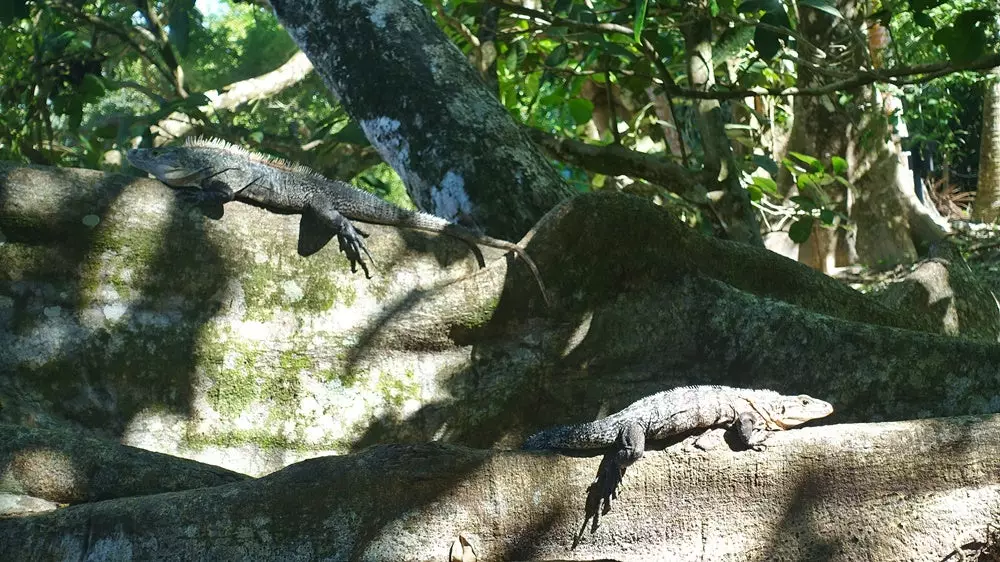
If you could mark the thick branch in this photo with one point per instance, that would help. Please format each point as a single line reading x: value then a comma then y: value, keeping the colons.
x: 267, y: 85
x: 892, y: 491
x: 68, y: 467
x: 617, y: 160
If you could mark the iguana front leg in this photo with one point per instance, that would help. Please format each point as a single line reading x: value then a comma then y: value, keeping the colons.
x: 751, y: 430
x: 349, y: 237
x: 628, y: 448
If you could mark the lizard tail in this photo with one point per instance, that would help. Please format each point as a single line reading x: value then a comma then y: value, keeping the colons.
x: 595, y: 435
x: 511, y: 247
x: 519, y: 252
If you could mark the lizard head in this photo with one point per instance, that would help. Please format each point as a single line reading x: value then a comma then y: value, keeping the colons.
x: 790, y: 411
x: 175, y: 166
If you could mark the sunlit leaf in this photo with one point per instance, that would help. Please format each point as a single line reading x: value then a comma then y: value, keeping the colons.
x: 813, y: 163
x: 640, y: 18
x: 839, y: 165
x: 766, y: 184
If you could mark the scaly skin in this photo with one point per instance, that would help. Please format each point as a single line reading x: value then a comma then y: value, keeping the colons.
x: 754, y: 414
x: 220, y: 172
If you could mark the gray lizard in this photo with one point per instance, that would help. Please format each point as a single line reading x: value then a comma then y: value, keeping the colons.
x: 220, y: 172
x: 753, y: 414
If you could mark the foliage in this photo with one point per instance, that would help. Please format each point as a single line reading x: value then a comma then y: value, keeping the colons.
x: 947, y: 113
x: 80, y: 79
x: 99, y: 76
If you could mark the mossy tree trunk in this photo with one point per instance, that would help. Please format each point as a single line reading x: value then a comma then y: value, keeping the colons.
x: 427, y: 111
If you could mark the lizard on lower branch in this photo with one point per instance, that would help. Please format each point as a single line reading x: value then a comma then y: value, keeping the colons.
x: 221, y: 172
x: 753, y: 414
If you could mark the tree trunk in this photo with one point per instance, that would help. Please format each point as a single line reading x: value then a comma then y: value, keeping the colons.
x: 427, y: 111
x: 987, y: 204
x: 857, y: 132
x: 215, y: 341
x: 733, y: 208
x: 893, y: 491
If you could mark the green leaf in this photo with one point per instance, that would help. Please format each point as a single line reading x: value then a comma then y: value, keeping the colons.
x: 839, y: 165
x: 257, y: 137
x: 806, y: 203
x: 351, y: 134
x: 827, y: 216
x: 825, y: 6
x: 558, y: 55
x: 758, y: 5
x: 581, y: 109
x: 801, y: 229
x: 766, y: 41
x: 963, y: 44
x: 561, y: 6
x: 640, y: 19
x: 813, y: 163
x: 766, y: 184
x: 923, y: 20
x: 923, y: 5
x: 754, y: 192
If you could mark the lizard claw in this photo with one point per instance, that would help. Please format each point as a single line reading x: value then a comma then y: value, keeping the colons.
x: 351, y: 241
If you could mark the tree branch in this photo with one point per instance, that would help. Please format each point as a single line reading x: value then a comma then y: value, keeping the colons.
x: 928, y: 71
x: 810, y: 491
x: 615, y: 160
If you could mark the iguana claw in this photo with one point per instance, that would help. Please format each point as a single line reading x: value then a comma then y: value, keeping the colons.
x: 351, y: 241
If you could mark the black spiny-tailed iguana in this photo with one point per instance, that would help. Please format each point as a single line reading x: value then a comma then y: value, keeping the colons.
x: 221, y: 172
x: 752, y: 413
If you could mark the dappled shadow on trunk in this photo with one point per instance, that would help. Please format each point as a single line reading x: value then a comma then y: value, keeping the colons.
x: 92, y: 340
x: 672, y: 310
x: 910, y: 490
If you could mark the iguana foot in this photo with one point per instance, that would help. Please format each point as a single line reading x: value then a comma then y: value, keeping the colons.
x: 195, y: 196
x: 351, y: 240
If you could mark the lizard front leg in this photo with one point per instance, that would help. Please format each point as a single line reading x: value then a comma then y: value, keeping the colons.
x: 349, y: 237
x: 628, y: 448
x: 750, y: 429
x: 210, y: 197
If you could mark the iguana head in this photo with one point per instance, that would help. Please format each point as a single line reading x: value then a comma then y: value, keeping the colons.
x: 175, y: 166
x: 783, y: 412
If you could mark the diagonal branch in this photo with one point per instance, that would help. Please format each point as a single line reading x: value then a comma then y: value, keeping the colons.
x: 614, y: 160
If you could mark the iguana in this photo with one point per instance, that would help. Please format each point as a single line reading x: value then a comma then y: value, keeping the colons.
x: 753, y: 414
x: 221, y: 172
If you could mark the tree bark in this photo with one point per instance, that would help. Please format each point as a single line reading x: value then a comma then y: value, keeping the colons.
x: 213, y: 340
x: 987, y: 204
x: 427, y: 112
x: 894, y: 491
x: 733, y: 208
x: 67, y: 467
x: 859, y: 134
